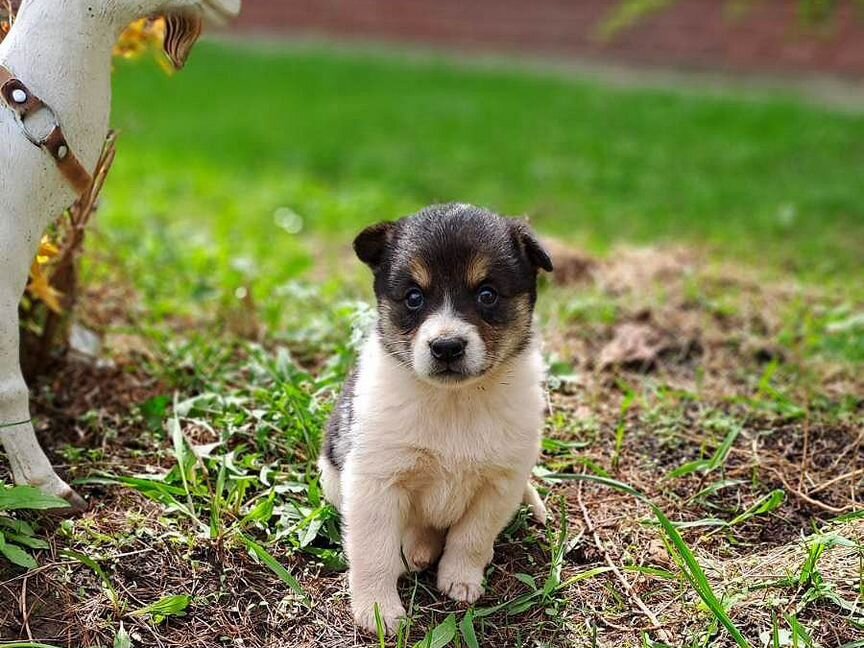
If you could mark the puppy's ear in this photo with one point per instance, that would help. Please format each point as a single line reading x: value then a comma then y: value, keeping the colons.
x: 372, y: 243
x: 532, y: 248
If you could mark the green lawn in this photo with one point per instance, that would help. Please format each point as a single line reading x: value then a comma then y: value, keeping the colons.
x: 342, y: 139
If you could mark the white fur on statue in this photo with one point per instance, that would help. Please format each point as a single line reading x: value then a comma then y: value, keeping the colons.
x: 61, y: 50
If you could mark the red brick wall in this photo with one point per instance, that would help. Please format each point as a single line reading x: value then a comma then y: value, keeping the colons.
x: 692, y: 34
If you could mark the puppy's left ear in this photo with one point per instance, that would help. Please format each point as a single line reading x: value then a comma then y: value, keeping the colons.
x: 372, y: 243
x: 532, y: 248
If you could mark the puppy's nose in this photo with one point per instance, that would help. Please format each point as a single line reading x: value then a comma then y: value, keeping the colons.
x: 448, y: 349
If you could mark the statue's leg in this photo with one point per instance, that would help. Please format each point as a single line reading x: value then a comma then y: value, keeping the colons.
x: 28, y: 461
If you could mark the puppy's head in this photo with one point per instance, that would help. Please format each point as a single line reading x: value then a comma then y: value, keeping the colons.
x: 456, y: 287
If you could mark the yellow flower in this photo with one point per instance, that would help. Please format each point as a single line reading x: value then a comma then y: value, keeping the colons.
x: 142, y: 36
x: 47, y: 251
x: 40, y: 287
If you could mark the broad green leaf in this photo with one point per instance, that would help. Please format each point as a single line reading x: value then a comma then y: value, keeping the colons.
x: 26, y: 541
x: 261, y: 512
x: 28, y: 497
x: 16, y: 555
x: 17, y: 526
x: 310, y: 532
x: 168, y: 606
x: 441, y: 635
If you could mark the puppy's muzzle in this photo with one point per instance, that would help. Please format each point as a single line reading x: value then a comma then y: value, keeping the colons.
x: 448, y: 349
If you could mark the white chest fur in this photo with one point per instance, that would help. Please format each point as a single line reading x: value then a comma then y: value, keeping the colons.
x: 441, y: 445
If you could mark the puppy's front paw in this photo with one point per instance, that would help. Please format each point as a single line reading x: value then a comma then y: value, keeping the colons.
x: 391, y: 614
x: 462, y: 592
x: 460, y: 585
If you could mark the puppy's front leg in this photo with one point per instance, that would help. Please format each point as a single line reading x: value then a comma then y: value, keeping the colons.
x: 374, y: 514
x: 470, y: 541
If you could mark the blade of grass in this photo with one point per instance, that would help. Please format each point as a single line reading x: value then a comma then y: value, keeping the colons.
x: 87, y: 561
x: 379, y: 627
x: 722, y: 452
x: 621, y: 428
x: 276, y: 567
x: 466, y: 628
x: 770, y: 502
x: 692, y: 571
x: 216, y: 509
x: 597, y: 479
x: 799, y: 632
x: 179, y: 442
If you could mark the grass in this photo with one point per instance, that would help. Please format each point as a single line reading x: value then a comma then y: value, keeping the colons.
x: 707, y: 495
x: 327, y: 142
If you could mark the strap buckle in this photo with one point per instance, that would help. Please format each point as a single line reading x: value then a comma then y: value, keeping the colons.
x: 33, y: 138
x: 25, y: 104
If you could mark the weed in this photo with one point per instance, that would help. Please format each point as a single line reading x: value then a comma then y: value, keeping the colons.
x: 16, y: 535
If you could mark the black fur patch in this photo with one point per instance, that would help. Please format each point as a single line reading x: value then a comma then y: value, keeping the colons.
x: 337, y: 443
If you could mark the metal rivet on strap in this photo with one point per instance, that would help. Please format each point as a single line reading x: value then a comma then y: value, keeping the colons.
x: 62, y: 152
x: 19, y: 96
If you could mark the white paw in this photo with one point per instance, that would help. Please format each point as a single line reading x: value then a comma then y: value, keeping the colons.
x: 462, y: 588
x: 391, y: 614
x: 539, y: 513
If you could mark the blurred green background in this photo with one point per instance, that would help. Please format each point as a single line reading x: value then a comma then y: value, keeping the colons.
x: 259, y: 163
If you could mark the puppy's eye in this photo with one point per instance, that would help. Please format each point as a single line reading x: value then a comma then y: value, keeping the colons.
x: 414, y: 299
x: 487, y: 296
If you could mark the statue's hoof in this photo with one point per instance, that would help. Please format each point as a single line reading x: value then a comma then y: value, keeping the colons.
x: 77, y: 504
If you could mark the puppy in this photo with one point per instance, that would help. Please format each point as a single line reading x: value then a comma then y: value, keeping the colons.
x: 430, y: 447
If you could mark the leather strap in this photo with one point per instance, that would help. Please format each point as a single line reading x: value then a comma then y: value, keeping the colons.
x: 23, y: 103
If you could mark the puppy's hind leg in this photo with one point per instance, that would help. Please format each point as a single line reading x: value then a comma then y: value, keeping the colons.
x: 422, y: 546
x: 29, y: 464
x: 531, y: 498
x: 331, y: 482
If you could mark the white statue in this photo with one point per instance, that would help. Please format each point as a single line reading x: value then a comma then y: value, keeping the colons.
x: 55, y: 99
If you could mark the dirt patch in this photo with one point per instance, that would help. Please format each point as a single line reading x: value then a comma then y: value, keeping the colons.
x: 669, y: 356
